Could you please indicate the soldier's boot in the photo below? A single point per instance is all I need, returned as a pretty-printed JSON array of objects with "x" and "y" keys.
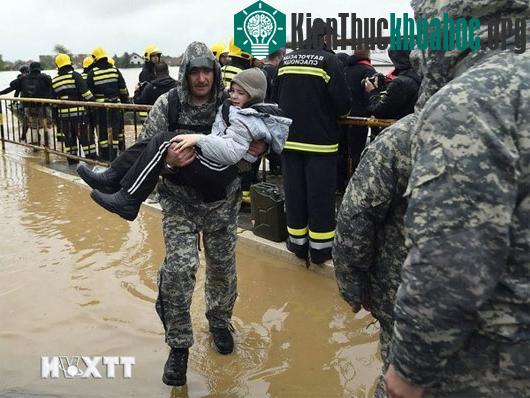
[
  {"x": 222, "y": 340},
  {"x": 176, "y": 367},
  {"x": 120, "y": 203},
  {"x": 107, "y": 181}
]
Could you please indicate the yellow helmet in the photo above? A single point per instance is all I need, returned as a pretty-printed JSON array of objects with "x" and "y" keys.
[
  {"x": 99, "y": 53},
  {"x": 87, "y": 62},
  {"x": 235, "y": 51},
  {"x": 218, "y": 49},
  {"x": 111, "y": 61},
  {"x": 62, "y": 60},
  {"x": 152, "y": 49}
]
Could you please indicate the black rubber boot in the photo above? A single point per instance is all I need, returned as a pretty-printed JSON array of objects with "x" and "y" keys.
[
  {"x": 176, "y": 367},
  {"x": 107, "y": 181},
  {"x": 120, "y": 203},
  {"x": 223, "y": 340},
  {"x": 320, "y": 258}
]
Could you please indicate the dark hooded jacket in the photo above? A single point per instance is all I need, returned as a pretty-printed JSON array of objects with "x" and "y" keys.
[
  {"x": 154, "y": 89},
  {"x": 398, "y": 98},
  {"x": 357, "y": 69},
  {"x": 148, "y": 73}
]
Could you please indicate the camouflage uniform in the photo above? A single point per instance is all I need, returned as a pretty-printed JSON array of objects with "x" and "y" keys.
[
  {"x": 369, "y": 246},
  {"x": 184, "y": 215},
  {"x": 462, "y": 313}
]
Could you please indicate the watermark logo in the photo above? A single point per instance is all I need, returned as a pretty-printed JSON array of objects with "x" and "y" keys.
[
  {"x": 407, "y": 33},
  {"x": 260, "y": 29},
  {"x": 85, "y": 367}
]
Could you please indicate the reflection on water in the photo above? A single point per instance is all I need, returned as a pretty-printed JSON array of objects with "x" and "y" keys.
[{"x": 75, "y": 280}]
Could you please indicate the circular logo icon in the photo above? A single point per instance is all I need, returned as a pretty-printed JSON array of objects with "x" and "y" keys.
[{"x": 72, "y": 370}]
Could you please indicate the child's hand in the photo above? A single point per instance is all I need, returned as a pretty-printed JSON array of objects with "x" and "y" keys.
[{"x": 186, "y": 140}]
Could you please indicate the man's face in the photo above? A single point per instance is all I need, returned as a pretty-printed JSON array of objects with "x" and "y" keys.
[
  {"x": 223, "y": 59},
  {"x": 155, "y": 58},
  {"x": 200, "y": 82}
]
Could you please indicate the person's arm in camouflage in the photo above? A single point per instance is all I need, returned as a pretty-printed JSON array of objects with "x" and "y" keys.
[
  {"x": 364, "y": 208},
  {"x": 157, "y": 122},
  {"x": 462, "y": 195}
]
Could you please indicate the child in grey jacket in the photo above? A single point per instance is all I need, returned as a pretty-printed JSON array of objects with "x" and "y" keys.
[{"x": 239, "y": 122}]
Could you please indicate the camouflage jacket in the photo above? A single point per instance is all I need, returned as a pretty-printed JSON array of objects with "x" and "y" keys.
[
  {"x": 467, "y": 275},
  {"x": 369, "y": 247}
]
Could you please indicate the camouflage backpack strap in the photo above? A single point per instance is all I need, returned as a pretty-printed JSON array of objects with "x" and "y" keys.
[
  {"x": 173, "y": 109},
  {"x": 225, "y": 112}
]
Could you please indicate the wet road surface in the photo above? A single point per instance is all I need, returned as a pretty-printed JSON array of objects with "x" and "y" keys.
[{"x": 75, "y": 280}]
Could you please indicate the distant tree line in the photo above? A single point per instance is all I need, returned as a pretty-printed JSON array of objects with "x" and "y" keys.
[{"x": 48, "y": 61}]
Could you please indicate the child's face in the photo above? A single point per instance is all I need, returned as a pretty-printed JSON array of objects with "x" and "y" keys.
[{"x": 238, "y": 96}]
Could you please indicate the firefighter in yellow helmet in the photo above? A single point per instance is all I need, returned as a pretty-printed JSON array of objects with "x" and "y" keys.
[
  {"x": 72, "y": 119},
  {"x": 239, "y": 60},
  {"x": 107, "y": 84},
  {"x": 88, "y": 63},
  {"x": 220, "y": 52},
  {"x": 152, "y": 56}
]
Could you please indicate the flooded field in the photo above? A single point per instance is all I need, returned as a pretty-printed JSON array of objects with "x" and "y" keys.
[{"x": 75, "y": 280}]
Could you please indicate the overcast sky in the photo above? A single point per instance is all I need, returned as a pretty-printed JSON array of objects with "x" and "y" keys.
[{"x": 33, "y": 27}]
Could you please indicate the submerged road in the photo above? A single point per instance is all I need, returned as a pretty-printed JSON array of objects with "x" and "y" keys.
[{"x": 77, "y": 281}]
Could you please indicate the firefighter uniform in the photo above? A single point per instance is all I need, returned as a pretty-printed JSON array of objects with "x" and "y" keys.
[
  {"x": 108, "y": 85},
  {"x": 239, "y": 60},
  {"x": 88, "y": 64},
  {"x": 72, "y": 120},
  {"x": 312, "y": 91}
]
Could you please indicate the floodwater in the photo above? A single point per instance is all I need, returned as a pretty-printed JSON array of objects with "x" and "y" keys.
[{"x": 75, "y": 280}]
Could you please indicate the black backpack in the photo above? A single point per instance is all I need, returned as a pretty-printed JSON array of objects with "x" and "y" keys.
[
  {"x": 35, "y": 86},
  {"x": 30, "y": 88}
]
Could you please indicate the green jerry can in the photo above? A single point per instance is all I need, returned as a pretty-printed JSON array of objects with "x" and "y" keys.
[{"x": 268, "y": 215}]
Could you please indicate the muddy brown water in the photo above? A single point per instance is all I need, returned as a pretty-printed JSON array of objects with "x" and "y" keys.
[{"x": 75, "y": 280}]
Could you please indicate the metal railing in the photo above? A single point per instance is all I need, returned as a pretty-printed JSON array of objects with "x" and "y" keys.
[
  {"x": 44, "y": 121},
  {"x": 75, "y": 130}
]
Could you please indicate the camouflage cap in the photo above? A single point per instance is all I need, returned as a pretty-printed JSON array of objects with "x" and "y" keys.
[{"x": 201, "y": 62}]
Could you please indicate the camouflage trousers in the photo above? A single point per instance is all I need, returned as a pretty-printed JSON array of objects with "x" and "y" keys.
[{"x": 184, "y": 215}]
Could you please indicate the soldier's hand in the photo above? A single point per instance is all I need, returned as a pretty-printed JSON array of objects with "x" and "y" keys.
[
  {"x": 256, "y": 148},
  {"x": 368, "y": 86},
  {"x": 396, "y": 387},
  {"x": 179, "y": 158}
]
